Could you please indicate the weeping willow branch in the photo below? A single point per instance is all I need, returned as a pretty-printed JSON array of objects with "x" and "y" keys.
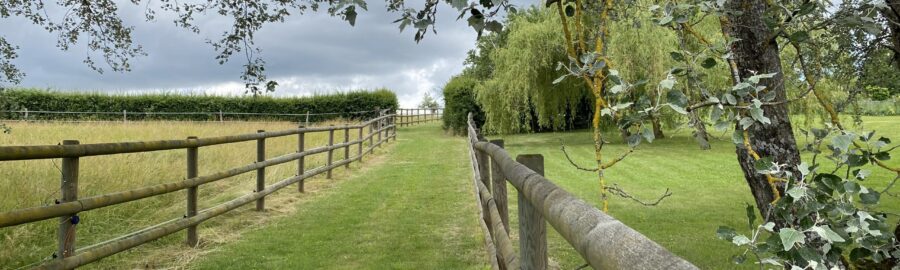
[{"x": 616, "y": 190}]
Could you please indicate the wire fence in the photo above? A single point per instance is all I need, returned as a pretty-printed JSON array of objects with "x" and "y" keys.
[{"x": 218, "y": 117}]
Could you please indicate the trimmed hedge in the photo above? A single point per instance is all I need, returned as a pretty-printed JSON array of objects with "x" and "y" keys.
[
  {"x": 459, "y": 100},
  {"x": 147, "y": 106}
]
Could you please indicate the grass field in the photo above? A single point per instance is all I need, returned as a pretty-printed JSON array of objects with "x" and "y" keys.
[
  {"x": 709, "y": 189},
  {"x": 34, "y": 183},
  {"x": 415, "y": 212}
]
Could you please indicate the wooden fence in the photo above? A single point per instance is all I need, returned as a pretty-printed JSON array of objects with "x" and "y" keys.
[
  {"x": 602, "y": 241},
  {"x": 407, "y": 117},
  {"x": 381, "y": 129}
]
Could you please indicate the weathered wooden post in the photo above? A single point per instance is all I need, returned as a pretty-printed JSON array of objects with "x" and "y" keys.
[
  {"x": 498, "y": 189},
  {"x": 307, "y": 119},
  {"x": 261, "y": 172},
  {"x": 359, "y": 151},
  {"x": 484, "y": 175},
  {"x": 532, "y": 227},
  {"x": 301, "y": 166},
  {"x": 221, "y": 116},
  {"x": 380, "y": 125},
  {"x": 26, "y": 113},
  {"x": 347, "y": 146},
  {"x": 192, "y": 154},
  {"x": 371, "y": 136},
  {"x": 124, "y": 116},
  {"x": 330, "y": 151},
  {"x": 69, "y": 191}
]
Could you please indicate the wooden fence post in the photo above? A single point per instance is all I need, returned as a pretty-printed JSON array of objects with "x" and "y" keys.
[
  {"x": 378, "y": 128},
  {"x": 69, "y": 192},
  {"x": 330, "y": 151},
  {"x": 124, "y": 116},
  {"x": 221, "y": 117},
  {"x": 347, "y": 147},
  {"x": 532, "y": 227},
  {"x": 307, "y": 119},
  {"x": 192, "y": 154},
  {"x": 359, "y": 151},
  {"x": 301, "y": 166},
  {"x": 261, "y": 172},
  {"x": 498, "y": 189},
  {"x": 482, "y": 159},
  {"x": 371, "y": 136},
  {"x": 26, "y": 113}
]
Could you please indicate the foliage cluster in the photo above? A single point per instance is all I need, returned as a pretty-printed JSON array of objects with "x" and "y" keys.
[
  {"x": 143, "y": 106},
  {"x": 459, "y": 101}
]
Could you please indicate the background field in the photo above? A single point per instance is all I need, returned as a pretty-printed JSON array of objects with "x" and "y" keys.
[
  {"x": 36, "y": 182},
  {"x": 709, "y": 189}
]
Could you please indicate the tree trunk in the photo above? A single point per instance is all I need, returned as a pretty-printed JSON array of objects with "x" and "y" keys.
[
  {"x": 892, "y": 14},
  {"x": 699, "y": 133},
  {"x": 757, "y": 53},
  {"x": 657, "y": 128}
]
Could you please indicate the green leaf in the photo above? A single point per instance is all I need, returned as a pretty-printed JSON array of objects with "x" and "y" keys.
[
  {"x": 617, "y": 89},
  {"x": 634, "y": 140},
  {"x": 746, "y": 122},
  {"x": 819, "y": 133},
  {"x": 870, "y": 197},
  {"x": 757, "y": 114},
  {"x": 570, "y": 11},
  {"x": 737, "y": 137},
  {"x": 797, "y": 192},
  {"x": 677, "y": 108},
  {"x": 800, "y": 36},
  {"x": 459, "y": 4},
  {"x": 668, "y": 83},
  {"x": 677, "y": 56},
  {"x": 883, "y": 156},
  {"x": 751, "y": 215},
  {"x": 763, "y": 164},
  {"x": 856, "y": 160},
  {"x": 648, "y": 134},
  {"x": 494, "y": 26},
  {"x": 665, "y": 20},
  {"x": 560, "y": 79},
  {"x": 725, "y": 233},
  {"x": 842, "y": 142},
  {"x": 708, "y": 63},
  {"x": 789, "y": 237},
  {"x": 740, "y": 240},
  {"x": 677, "y": 97},
  {"x": 826, "y": 233},
  {"x": 769, "y": 226},
  {"x": 730, "y": 99}
]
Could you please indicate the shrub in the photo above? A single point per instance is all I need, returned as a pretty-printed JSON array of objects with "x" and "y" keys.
[
  {"x": 878, "y": 93},
  {"x": 459, "y": 100},
  {"x": 154, "y": 106}
]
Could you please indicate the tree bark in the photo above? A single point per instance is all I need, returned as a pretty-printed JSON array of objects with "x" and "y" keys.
[
  {"x": 657, "y": 127},
  {"x": 892, "y": 14},
  {"x": 757, "y": 53}
]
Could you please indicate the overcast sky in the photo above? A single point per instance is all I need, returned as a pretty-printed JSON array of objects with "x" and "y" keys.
[{"x": 309, "y": 53}]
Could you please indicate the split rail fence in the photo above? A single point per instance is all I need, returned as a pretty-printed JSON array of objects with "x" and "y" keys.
[
  {"x": 602, "y": 241},
  {"x": 381, "y": 129},
  {"x": 407, "y": 117}
]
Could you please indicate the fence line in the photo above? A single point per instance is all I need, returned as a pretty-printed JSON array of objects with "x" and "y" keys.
[
  {"x": 602, "y": 241},
  {"x": 407, "y": 117},
  {"x": 68, "y": 257},
  {"x": 125, "y": 116}
]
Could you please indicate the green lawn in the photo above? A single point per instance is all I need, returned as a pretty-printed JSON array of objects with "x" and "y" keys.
[
  {"x": 709, "y": 189},
  {"x": 415, "y": 211}
]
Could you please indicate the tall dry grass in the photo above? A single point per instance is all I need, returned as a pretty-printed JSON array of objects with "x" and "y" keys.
[{"x": 36, "y": 182}]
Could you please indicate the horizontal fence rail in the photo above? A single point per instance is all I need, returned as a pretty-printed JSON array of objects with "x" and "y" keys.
[
  {"x": 220, "y": 116},
  {"x": 407, "y": 117},
  {"x": 602, "y": 241},
  {"x": 69, "y": 256}
]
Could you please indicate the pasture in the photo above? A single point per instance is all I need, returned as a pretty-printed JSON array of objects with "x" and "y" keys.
[
  {"x": 36, "y": 182},
  {"x": 709, "y": 189}
]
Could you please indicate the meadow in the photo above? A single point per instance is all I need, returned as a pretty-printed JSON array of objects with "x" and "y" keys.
[
  {"x": 708, "y": 189},
  {"x": 36, "y": 182}
]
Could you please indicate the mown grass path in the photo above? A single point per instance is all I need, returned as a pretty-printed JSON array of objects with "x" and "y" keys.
[{"x": 414, "y": 211}]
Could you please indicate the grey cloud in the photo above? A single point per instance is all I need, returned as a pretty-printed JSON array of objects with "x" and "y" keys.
[{"x": 308, "y": 53}]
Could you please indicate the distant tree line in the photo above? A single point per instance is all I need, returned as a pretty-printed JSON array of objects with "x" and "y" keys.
[{"x": 153, "y": 106}]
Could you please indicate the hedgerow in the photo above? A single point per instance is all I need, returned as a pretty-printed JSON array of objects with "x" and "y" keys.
[{"x": 206, "y": 107}]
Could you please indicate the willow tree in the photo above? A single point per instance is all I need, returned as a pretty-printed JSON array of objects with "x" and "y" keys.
[{"x": 520, "y": 90}]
